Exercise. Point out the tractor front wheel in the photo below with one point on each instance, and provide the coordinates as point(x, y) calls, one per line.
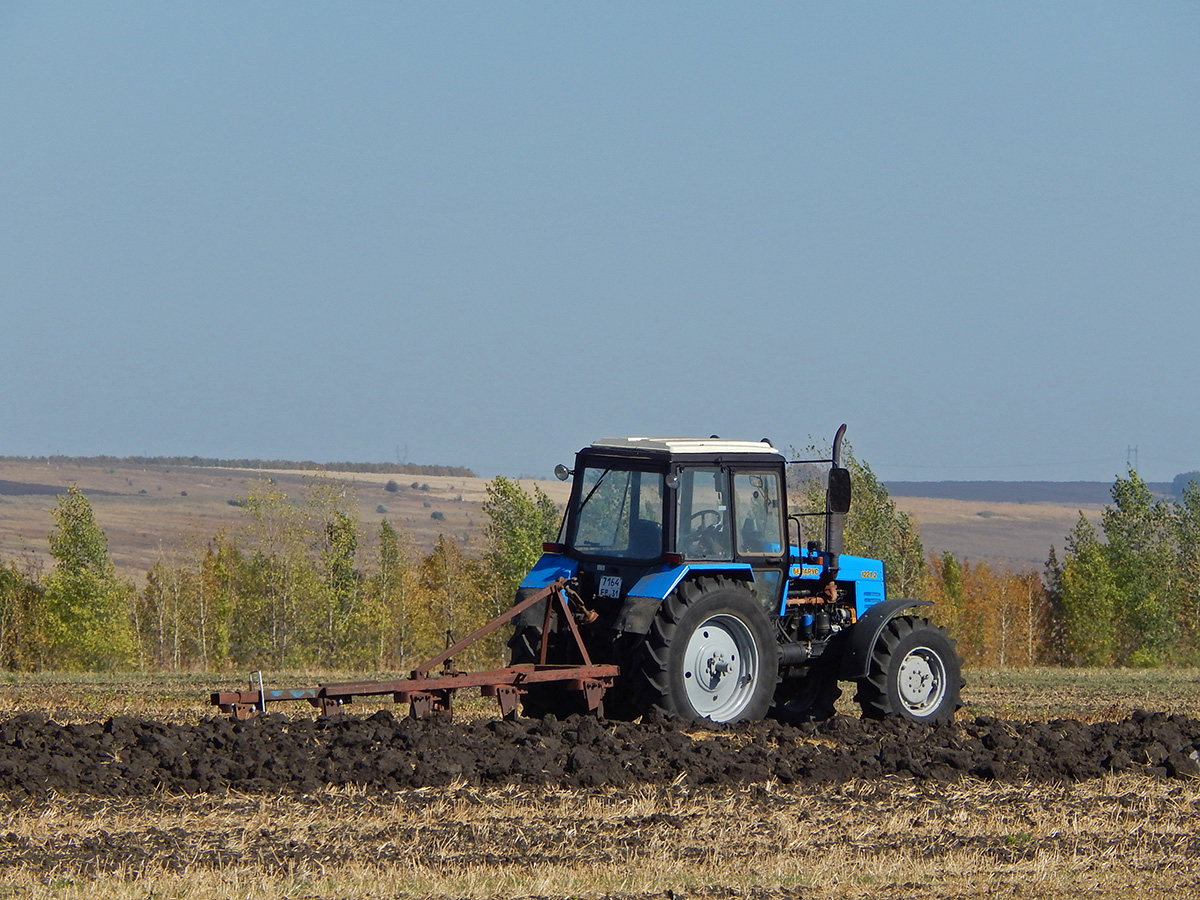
point(710, 654)
point(915, 673)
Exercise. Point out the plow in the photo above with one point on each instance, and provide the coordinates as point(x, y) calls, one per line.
point(431, 687)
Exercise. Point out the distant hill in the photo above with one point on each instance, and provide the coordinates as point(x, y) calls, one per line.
point(1082, 492)
point(276, 464)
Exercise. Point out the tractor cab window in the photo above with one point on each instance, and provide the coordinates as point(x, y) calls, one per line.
point(703, 510)
point(759, 514)
point(619, 514)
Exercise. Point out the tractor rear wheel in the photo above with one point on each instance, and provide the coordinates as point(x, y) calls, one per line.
point(710, 654)
point(915, 673)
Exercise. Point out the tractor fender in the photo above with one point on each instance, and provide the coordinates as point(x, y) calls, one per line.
point(644, 598)
point(857, 661)
point(548, 569)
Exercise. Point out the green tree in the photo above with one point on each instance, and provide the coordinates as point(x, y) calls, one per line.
point(389, 599)
point(1088, 595)
point(22, 635)
point(87, 606)
point(457, 602)
point(874, 527)
point(278, 588)
point(343, 591)
point(1054, 639)
point(951, 596)
point(1185, 526)
point(518, 524)
point(1141, 559)
point(216, 601)
point(162, 616)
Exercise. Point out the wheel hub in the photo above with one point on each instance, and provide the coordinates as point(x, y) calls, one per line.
point(921, 681)
point(720, 664)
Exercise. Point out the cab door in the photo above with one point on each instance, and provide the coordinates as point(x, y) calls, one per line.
point(759, 530)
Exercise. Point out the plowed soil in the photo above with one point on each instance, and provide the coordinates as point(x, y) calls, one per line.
point(132, 757)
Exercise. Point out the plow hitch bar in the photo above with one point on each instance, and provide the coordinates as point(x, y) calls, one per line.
point(427, 693)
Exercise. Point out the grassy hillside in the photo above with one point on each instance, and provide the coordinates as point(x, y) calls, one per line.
point(152, 508)
point(1066, 493)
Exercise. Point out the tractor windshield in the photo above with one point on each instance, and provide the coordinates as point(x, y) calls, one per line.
point(620, 513)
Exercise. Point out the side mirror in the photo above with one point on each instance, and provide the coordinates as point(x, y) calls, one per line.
point(561, 472)
point(838, 492)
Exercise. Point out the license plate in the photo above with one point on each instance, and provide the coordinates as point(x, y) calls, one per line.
point(610, 586)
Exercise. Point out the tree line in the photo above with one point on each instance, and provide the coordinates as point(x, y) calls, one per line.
point(1127, 594)
point(210, 462)
point(301, 584)
point(304, 584)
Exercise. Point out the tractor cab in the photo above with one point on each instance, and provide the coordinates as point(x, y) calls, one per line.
point(641, 506)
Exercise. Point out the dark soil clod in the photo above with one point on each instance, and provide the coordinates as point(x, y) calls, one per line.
point(127, 757)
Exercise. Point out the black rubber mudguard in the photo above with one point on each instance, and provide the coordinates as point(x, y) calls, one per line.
point(857, 661)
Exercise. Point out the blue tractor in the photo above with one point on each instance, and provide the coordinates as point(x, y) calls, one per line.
point(686, 570)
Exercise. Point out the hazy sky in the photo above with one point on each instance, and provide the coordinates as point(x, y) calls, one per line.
point(487, 234)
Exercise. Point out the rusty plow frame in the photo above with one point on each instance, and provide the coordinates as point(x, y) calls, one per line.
point(427, 693)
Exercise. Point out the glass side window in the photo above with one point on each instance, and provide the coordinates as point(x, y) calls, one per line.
point(620, 514)
point(759, 517)
point(703, 514)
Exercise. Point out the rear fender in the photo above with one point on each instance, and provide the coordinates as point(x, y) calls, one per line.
point(548, 569)
point(857, 661)
point(545, 572)
point(644, 598)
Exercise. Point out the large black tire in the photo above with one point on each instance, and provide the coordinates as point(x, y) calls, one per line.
point(710, 654)
point(811, 697)
point(915, 673)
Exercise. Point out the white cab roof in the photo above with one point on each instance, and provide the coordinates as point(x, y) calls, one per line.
point(685, 445)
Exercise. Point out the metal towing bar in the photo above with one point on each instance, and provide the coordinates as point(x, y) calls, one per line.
point(427, 693)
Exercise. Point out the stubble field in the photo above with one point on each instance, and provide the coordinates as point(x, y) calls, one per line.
point(1050, 784)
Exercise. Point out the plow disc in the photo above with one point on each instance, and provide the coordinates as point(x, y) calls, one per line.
point(427, 693)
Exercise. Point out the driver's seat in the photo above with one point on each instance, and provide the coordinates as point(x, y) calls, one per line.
point(645, 539)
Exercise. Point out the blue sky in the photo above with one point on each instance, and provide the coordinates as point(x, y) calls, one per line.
point(486, 234)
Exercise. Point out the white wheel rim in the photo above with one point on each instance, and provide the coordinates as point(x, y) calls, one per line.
point(720, 668)
point(921, 682)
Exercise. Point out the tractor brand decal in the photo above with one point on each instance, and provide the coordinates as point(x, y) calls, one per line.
point(805, 572)
point(868, 573)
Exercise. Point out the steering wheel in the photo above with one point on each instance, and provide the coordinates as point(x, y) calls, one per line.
point(700, 538)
